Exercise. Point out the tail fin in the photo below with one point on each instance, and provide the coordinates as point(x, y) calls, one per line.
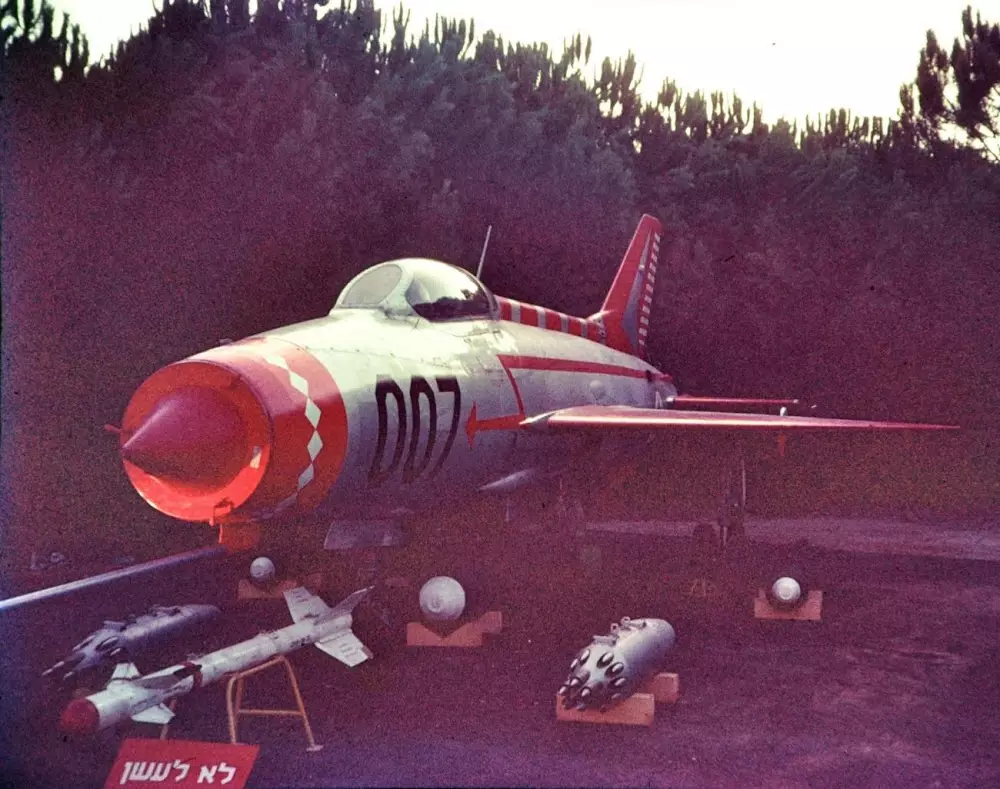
point(626, 309)
point(303, 604)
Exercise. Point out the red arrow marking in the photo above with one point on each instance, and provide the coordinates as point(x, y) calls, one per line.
point(474, 425)
point(510, 362)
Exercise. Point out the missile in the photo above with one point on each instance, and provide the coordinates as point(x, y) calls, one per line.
point(117, 639)
point(143, 698)
point(614, 666)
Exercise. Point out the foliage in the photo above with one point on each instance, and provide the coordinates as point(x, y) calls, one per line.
point(221, 173)
point(974, 69)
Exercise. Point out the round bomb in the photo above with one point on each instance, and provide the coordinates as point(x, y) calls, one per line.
point(787, 591)
point(262, 570)
point(442, 599)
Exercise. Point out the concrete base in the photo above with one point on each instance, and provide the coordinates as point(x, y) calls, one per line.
point(809, 611)
point(468, 635)
point(639, 709)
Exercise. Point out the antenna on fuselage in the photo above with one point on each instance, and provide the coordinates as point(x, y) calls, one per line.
point(482, 257)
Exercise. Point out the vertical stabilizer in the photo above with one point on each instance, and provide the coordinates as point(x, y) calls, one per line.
point(627, 307)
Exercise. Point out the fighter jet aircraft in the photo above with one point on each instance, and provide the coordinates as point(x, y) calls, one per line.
point(419, 385)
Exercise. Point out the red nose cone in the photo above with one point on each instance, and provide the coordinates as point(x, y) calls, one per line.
point(79, 717)
point(192, 436)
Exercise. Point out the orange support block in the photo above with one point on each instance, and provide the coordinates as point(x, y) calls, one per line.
point(468, 635)
point(809, 611)
point(247, 590)
point(639, 709)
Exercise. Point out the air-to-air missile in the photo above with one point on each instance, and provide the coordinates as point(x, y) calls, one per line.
point(142, 698)
point(116, 640)
point(613, 667)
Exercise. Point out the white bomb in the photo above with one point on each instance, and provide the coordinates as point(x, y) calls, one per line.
point(788, 591)
point(442, 599)
point(262, 570)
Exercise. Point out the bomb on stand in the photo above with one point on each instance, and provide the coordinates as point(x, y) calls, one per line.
point(614, 666)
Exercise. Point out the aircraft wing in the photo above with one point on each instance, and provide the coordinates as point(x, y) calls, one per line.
point(598, 417)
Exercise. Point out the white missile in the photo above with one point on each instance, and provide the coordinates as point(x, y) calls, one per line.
point(143, 698)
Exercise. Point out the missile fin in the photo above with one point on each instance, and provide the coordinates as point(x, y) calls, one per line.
point(303, 604)
point(157, 681)
point(124, 671)
point(346, 647)
point(350, 602)
point(159, 714)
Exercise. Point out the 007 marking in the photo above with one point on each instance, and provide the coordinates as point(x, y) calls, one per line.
point(410, 413)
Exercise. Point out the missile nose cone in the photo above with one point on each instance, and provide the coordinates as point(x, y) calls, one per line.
point(79, 717)
point(193, 436)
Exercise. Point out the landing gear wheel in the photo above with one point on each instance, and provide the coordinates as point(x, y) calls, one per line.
point(705, 542)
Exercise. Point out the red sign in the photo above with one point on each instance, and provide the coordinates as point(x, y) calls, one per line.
point(181, 763)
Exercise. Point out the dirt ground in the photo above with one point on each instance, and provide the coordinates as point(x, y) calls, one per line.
point(898, 686)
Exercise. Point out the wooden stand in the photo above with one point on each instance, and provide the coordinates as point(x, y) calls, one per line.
point(248, 590)
point(468, 635)
point(639, 709)
point(234, 700)
point(809, 611)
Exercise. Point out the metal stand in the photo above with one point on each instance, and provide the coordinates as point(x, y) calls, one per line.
point(733, 504)
point(234, 700)
point(172, 706)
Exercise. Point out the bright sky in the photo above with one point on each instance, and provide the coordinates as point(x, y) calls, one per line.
point(793, 57)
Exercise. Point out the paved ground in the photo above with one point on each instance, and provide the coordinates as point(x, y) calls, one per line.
point(897, 687)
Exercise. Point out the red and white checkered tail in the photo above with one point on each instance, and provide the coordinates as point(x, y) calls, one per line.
point(627, 307)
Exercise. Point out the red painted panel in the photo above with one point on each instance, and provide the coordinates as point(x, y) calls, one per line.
point(181, 763)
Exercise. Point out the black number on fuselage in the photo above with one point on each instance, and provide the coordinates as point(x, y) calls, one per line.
point(384, 388)
point(449, 385)
point(413, 467)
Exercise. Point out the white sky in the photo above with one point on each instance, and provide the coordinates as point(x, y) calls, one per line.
point(793, 57)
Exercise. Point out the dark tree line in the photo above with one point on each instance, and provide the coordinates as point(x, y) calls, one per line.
point(221, 173)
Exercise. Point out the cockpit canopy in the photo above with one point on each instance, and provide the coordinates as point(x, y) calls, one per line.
point(418, 286)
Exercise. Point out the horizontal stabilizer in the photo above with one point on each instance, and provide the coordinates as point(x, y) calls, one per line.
point(303, 604)
point(160, 715)
point(597, 417)
point(346, 647)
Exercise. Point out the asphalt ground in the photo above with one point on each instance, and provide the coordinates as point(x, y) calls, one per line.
point(898, 686)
